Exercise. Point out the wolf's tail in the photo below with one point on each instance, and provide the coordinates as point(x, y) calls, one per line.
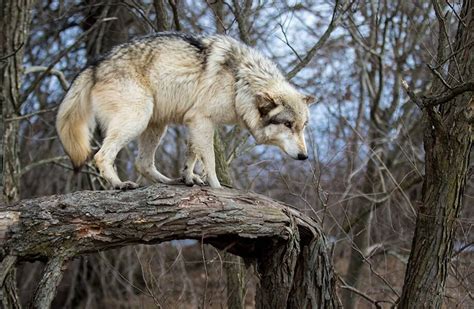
point(75, 121)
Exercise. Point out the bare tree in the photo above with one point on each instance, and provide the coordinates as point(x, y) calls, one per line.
point(15, 22)
point(448, 115)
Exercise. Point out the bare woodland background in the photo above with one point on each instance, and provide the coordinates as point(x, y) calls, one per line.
point(363, 180)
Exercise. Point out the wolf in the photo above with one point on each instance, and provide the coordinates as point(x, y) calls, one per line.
point(138, 88)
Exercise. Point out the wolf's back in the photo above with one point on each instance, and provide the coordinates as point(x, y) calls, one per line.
point(75, 119)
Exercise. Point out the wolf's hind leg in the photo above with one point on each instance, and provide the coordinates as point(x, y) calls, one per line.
point(105, 157)
point(119, 132)
point(190, 178)
point(147, 145)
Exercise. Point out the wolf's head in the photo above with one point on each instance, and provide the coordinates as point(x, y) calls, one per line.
point(284, 115)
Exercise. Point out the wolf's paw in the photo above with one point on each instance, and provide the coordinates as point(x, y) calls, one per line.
point(126, 185)
point(193, 179)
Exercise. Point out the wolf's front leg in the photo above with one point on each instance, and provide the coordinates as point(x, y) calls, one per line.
point(201, 144)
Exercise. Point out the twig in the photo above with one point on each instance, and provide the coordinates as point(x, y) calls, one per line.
point(33, 165)
point(444, 28)
point(204, 262)
point(12, 53)
point(322, 40)
point(454, 92)
point(453, 54)
point(140, 10)
point(376, 303)
point(362, 294)
point(174, 8)
point(52, 109)
point(357, 38)
point(288, 43)
point(57, 73)
point(432, 114)
point(72, 169)
point(438, 100)
point(220, 25)
point(440, 77)
point(412, 95)
point(145, 280)
point(456, 13)
point(460, 250)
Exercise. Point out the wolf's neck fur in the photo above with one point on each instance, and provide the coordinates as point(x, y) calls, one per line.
point(256, 70)
point(253, 74)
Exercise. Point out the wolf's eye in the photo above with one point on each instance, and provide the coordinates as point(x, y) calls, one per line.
point(288, 124)
point(274, 121)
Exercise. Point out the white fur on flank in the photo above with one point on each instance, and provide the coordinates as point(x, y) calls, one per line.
point(142, 86)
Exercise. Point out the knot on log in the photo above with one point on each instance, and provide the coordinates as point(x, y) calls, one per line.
point(288, 247)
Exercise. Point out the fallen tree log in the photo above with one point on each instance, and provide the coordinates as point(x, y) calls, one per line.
point(288, 247)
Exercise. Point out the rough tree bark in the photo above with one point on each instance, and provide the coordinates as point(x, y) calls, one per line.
point(447, 142)
point(288, 247)
point(14, 22)
point(161, 15)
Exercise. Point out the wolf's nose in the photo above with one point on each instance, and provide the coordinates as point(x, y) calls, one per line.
point(302, 156)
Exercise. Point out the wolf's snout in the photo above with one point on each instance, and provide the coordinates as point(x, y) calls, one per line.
point(302, 156)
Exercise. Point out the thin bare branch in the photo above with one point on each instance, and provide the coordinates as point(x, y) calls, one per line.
point(43, 111)
point(3, 58)
point(412, 95)
point(174, 9)
point(33, 165)
point(360, 293)
point(456, 13)
point(161, 18)
point(440, 77)
point(57, 73)
point(452, 93)
point(335, 20)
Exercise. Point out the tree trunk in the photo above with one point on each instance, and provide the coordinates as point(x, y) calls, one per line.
point(288, 246)
point(161, 15)
point(233, 265)
point(360, 224)
point(14, 22)
point(447, 142)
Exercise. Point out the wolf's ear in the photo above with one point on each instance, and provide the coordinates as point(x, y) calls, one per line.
point(265, 103)
point(309, 99)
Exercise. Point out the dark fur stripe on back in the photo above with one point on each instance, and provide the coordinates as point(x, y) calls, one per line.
point(189, 38)
point(192, 40)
